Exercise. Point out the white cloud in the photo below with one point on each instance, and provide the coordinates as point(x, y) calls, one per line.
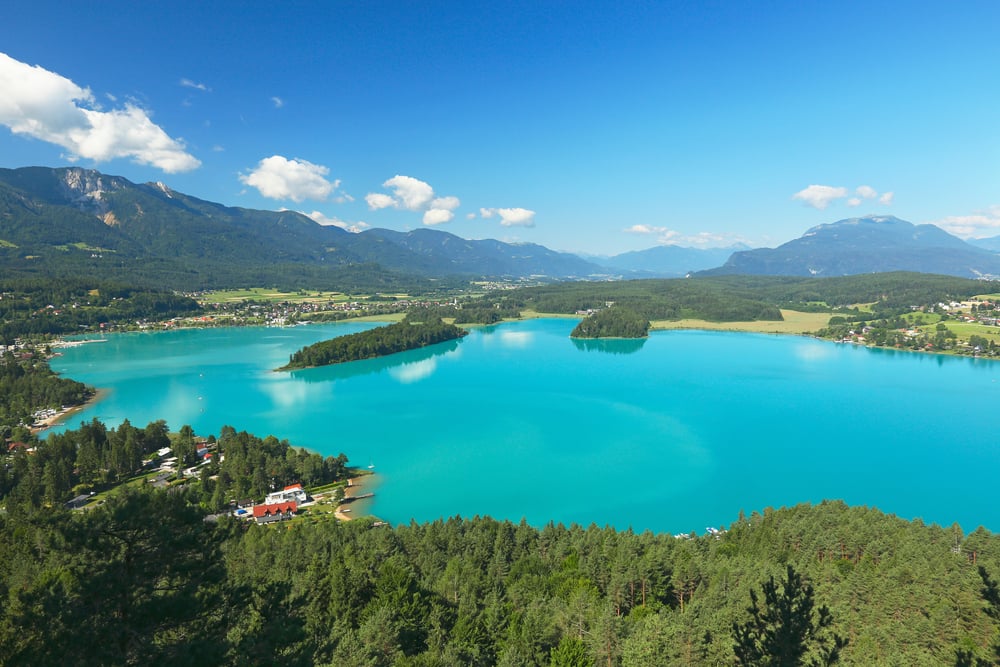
point(322, 219)
point(277, 102)
point(470, 216)
point(511, 217)
point(447, 203)
point(713, 239)
point(820, 196)
point(667, 236)
point(188, 83)
point(516, 217)
point(412, 194)
point(277, 177)
point(437, 216)
point(980, 224)
point(377, 200)
point(645, 229)
point(44, 105)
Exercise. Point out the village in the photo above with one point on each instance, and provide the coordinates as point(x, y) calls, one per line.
point(162, 471)
point(954, 327)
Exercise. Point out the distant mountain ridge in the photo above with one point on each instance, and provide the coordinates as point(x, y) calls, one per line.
point(669, 261)
point(870, 244)
point(453, 254)
point(78, 218)
point(991, 243)
point(74, 221)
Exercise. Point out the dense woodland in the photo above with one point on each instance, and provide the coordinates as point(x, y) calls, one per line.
point(144, 579)
point(407, 334)
point(27, 384)
point(745, 298)
point(46, 306)
point(652, 299)
point(614, 322)
point(887, 292)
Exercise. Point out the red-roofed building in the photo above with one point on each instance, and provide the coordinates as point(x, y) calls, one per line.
point(274, 512)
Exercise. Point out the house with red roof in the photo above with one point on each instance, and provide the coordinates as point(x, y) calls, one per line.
point(274, 512)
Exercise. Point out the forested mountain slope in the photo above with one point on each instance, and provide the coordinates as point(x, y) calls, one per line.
point(73, 221)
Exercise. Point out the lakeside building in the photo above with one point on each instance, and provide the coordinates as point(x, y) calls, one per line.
point(294, 492)
point(274, 512)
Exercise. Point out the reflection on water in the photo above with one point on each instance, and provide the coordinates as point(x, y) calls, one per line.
point(403, 366)
point(518, 340)
point(612, 345)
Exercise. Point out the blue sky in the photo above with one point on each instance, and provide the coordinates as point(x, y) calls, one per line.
point(592, 127)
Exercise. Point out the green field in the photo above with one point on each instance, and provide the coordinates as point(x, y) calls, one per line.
point(273, 295)
point(795, 322)
point(965, 329)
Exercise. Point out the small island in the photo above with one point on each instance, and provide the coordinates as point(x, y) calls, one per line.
point(613, 322)
point(400, 337)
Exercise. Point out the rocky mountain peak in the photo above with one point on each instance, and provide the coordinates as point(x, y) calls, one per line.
point(85, 189)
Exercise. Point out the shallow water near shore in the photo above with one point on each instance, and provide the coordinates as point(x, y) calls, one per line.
point(517, 420)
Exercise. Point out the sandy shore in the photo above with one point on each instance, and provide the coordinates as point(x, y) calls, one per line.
point(355, 487)
point(63, 415)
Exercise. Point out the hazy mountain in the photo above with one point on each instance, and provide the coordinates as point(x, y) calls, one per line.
point(453, 254)
point(991, 243)
point(871, 244)
point(73, 220)
point(668, 261)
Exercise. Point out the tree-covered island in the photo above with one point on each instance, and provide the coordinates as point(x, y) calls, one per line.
point(382, 341)
point(613, 322)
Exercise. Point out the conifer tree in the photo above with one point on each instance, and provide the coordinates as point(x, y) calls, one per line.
point(784, 632)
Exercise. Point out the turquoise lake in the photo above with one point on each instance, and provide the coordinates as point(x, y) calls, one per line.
point(674, 433)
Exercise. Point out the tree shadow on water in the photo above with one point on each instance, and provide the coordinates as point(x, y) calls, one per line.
point(609, 345)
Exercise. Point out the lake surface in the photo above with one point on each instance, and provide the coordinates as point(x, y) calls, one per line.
point(674, 433)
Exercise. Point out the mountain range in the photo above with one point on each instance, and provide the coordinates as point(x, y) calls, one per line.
point(668, 261)
point(83, 220)
point(74, 221)
point(871, 244)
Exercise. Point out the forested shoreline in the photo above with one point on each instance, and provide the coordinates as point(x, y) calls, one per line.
point(153, 582)
point(27, 384)
point(613, 322)
point(145, 572)
point(377, 342)
point(50, 307)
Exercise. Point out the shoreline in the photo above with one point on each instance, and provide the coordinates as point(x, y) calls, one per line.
point(355, 487)
point(62, 415)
